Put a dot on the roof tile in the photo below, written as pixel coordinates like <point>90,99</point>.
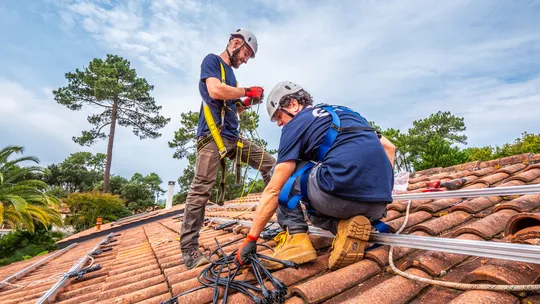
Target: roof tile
<point>439,205</point>
<point>512,168</point>
<point>492,179</point>
<point>335,282</point>
<point>476,204</point>
<point>521,221</point>
<point>438,225</point>
<point>414,218</point>
<point>527,176</point>
<point>505,272</point>
<point>402,205</point>
<point>482,172</point>
<point>392,291</point>
<point>525,203</point>
<point>489,226</point>
<point>390,215</point>
<point>435,262</point>
<point>485,297</point>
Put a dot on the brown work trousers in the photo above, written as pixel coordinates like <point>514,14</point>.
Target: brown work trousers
<point>206,169</point>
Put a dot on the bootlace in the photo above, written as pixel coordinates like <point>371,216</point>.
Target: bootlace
<point>280,239</point>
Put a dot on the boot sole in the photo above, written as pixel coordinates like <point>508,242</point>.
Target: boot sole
<point>352,250</point>
<point>299,259</point>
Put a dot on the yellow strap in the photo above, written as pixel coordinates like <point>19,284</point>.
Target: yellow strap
<point>214,131</point>
<point>222,72</point>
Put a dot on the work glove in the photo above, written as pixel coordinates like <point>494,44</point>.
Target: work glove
<point>254,96</point>
<point>248,246</point>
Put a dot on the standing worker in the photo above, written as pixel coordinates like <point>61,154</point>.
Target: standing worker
<point>218,137</point>
<point>330,158</point>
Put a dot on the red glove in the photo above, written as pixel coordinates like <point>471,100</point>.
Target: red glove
<point>248,102</point>
<point>254,92</point>
<point>248,246</point>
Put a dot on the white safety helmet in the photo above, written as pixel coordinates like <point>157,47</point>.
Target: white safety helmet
<point>249,38</point>
<point>283,88</point>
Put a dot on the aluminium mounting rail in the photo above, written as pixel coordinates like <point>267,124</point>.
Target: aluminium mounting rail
<point>497,250</point>
<point>50,295</point>
<point>35,265</point>
<point>466,193</point>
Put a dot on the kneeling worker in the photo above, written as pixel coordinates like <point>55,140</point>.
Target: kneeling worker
<point>330,158</point>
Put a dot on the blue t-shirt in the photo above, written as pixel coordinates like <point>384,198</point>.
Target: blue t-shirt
<point>210,68</point>
<point>355,168</point>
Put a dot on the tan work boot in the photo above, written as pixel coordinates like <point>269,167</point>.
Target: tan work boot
<point>291,247</point>
<point>349,242</point>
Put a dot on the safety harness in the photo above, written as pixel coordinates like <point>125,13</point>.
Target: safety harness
<point>328,140</point>
<point>215,133</point>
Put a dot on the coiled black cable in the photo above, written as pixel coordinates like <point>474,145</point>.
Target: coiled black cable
<point>211,276</point>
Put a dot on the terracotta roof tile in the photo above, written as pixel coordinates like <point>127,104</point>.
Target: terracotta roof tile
<point>489,226</point>
<point>395,290</point>
<point>512,168</point>
<point>511,183</point>
<point>476,204</point>
<point>439,205</point>
<point>380,255</point>
<point>505,272</point>
<point>485,297</point>
<point>414,218</point>
<point>335,282</point>
<point>402,205</point>
<point>492,179</point>
<point>434,262</point>
<point>438,225</point>
<point>525,203</point>
<point>390,215</point>
<point>526,176</point>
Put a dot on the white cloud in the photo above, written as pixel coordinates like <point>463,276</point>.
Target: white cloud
<point>393,61</point>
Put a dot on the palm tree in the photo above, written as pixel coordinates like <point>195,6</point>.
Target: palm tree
<point>22,196</point>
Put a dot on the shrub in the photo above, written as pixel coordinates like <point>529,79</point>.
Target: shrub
<point>21,245</point>
<point>87,207</point>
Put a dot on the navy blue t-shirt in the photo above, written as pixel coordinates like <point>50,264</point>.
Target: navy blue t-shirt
<point>355,168</point>
<point>210,68</point>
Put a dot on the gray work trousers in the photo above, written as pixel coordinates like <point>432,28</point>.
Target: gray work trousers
<point>329,209</point>
<point>206,169</point>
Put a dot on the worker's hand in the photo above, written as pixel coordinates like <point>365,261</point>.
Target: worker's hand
<point>248,102</point>
<point>254,92</point>
<point>248,246</point>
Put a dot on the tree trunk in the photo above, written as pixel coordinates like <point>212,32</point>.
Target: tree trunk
<point>110,146</point>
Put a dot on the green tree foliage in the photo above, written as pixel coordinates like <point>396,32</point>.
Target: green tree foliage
<point>527,143</point>
<point>18,244</point>
<point>24,201</point>
<point>79,172</point>
<point>429,143</point>
<point>438,153</point>
<point>441,128</point>
<point>124,98</point>
<point>183,144</point>
<point>87,207</point>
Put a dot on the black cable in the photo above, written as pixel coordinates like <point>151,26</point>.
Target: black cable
<point>211,276</point>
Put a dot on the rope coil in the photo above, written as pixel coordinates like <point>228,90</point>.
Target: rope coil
<point>454,285</point>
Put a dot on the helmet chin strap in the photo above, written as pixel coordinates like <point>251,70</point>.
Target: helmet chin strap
<point>234,53</point>
<point>287,112</point>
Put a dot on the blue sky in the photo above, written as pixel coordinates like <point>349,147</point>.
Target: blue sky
<point>393,61</point>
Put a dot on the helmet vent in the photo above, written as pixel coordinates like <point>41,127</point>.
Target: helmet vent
<point>273,104</point>
<point>288,87</point>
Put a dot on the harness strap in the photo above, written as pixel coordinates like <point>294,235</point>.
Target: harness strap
<point>283,197</point>
<point>327,143</point>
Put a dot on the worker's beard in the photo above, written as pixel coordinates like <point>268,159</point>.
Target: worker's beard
<point>236,62</point>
